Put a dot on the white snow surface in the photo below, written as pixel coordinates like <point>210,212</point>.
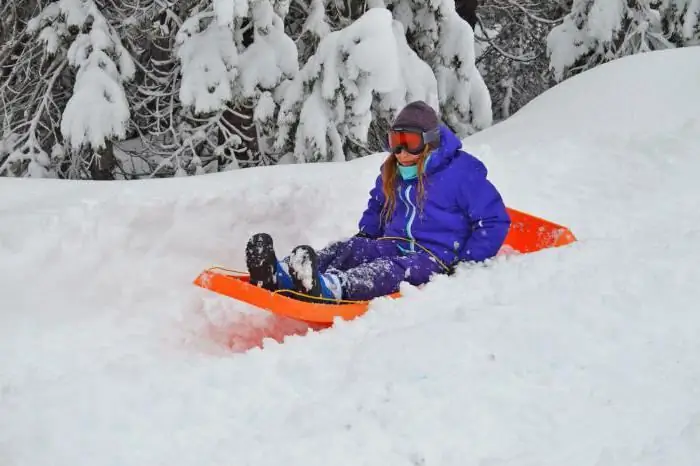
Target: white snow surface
<point>583,355</point>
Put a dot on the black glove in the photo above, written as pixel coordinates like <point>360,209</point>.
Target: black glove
<point>362,234</point>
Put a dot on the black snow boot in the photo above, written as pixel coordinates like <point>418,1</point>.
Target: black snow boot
<point>261,261</point>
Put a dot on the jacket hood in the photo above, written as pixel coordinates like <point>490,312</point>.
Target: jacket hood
<point>443,155</point>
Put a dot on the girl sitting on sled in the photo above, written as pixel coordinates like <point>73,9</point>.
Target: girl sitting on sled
<point>431,208</point>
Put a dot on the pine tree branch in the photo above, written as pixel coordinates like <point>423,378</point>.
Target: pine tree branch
<point>531,15</point>
<point>510,56</point>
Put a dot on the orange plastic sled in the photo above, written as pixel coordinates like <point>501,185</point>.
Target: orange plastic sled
<point>527,234</point>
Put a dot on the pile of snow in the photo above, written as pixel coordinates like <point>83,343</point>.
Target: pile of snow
<point>584,355</point>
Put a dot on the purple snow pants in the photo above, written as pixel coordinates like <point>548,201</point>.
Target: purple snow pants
<point>369,268</point>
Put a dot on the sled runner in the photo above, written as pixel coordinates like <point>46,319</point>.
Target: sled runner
<point>527,234</point>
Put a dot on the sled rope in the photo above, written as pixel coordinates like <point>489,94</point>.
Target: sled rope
<point>430,253</point>
<point>319,298</point>
<point>233,271</point>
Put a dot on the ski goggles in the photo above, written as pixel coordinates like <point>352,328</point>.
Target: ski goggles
<point>412,140</point>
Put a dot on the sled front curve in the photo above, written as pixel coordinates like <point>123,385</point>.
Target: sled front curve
<point>237,286</point>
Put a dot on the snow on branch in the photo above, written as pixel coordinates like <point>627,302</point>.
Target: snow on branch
<point>329,103</point>
<point>464,97</point>
<point>208,55</point>
<point>511,50</point>
<point>98,109</point>
<point>272,57</point>
<point>691,21</point>
<point>227,11</point>
<point>682,19</point>
<point>24,153</point>
<point>598,31</point>
<point>415,80</point>
<point>266,65</point>
<point>234,59</point>
<point>213,72</point>
<point>39,96</point>
<point>445,41</point>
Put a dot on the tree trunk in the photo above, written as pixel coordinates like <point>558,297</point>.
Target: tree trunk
<point>467,10</point>
<point>103,163</point>
<point>241,122</point>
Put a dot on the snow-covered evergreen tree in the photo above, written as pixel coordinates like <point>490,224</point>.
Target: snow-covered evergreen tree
<point>327,109</point>
<point>27,78</point>
<point>209,57</point>
<point>445,41</point>
<point>265,67</point>
<point>195,86</point>
<point>147,28</point>
<point>98,110</point>
<point>681,21</point>
<point>416,81</point>
<point>597,31</point>
<point>75,33</point>
<point>511,50</point>
<point>230,77</point>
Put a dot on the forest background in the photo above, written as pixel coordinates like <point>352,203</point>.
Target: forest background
<point>133,89</point>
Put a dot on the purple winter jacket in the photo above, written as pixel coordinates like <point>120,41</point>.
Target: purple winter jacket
<point>464,217</point>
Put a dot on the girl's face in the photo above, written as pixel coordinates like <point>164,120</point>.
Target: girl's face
<point>407,159</point>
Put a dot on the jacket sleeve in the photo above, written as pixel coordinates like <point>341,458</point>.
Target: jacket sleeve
<point>486,214</point>
<point>371,221</point>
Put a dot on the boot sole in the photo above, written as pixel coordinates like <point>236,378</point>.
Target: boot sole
<point>303,268</point>
<point>261,261</point>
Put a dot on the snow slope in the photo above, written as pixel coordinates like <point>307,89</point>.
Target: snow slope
<point>584,355</point>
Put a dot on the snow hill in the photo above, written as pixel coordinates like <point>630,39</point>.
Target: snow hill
<point>587,355</point>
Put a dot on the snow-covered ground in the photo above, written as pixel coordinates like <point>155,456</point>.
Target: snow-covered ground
<point>583,355</point>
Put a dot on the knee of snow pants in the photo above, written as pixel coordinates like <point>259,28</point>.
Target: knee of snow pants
<point>384,275</point>
<point>344,255</point>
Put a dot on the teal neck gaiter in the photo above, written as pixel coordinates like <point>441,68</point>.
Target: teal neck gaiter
<point>409,172</point>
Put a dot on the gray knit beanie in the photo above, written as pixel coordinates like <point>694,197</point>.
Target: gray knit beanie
<point>417,115</point>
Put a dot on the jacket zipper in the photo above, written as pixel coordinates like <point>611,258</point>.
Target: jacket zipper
<point>404,202</point>
<point>412,217</point>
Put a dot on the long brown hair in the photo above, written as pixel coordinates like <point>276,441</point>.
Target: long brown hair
<point>390,172</point>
